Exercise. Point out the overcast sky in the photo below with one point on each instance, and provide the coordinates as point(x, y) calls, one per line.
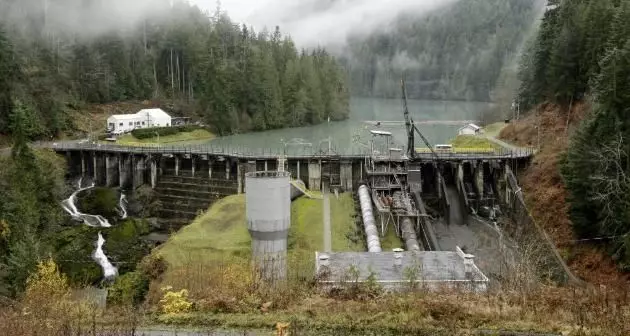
point(312, 22)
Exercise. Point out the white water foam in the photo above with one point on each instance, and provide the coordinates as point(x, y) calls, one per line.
point(69, 205)
point(122, 206)
point(109, 270)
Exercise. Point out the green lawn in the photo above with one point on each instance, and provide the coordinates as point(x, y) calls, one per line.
point(493, 130)
point(307, 225)
point(391, 241)
point(472, 142)
point(220, 234)
point(199, 134)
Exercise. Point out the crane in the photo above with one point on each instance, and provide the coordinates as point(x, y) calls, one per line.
point(412, 128)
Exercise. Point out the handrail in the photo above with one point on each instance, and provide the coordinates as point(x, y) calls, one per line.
point(242, 152)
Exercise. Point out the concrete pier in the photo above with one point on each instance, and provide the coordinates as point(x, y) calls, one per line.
point(83, 165)
point(139, 165)
point(112, 170)
point(346, 175)
point(478, 178)
point(154, 173)
point(315, 175)
point(125, 171)
point(177, 165)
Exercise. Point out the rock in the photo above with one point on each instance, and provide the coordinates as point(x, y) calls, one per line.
point(154, 223)
point(265, 306)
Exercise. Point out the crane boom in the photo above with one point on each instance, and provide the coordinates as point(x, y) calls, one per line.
point(412, 128)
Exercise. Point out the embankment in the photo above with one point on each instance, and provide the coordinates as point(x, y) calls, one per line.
point(545, 193)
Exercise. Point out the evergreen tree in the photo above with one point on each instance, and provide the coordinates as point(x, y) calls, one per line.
point(7, 76)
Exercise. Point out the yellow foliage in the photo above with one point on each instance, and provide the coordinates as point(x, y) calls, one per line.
point(5, 230)
point(47, 287)
point(281, 329)
point(175, 302)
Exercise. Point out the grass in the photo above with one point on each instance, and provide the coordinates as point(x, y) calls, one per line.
point(468, 142)
point(391, 240)
point(493, 130)
point(307, 228)
point(345, 237)
point(199, 134)
point(219, 233)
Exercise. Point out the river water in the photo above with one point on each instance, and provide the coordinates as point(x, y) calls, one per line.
point(352, 135)
point(98, 221)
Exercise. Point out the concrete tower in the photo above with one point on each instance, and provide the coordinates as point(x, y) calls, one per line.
point(268, 209)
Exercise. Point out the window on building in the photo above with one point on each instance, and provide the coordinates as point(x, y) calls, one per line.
point(130, 123)
point(143, 123)
point(121, 124)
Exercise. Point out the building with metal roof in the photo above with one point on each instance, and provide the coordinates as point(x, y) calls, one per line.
point(123, 123)
point(397, 269)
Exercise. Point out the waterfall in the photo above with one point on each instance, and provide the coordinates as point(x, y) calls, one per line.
point(70, 206)
point(122, 206)
point(109, 271)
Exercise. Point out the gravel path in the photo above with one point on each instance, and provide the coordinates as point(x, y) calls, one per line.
point(327, 229)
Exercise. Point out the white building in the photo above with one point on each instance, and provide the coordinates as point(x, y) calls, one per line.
point(123, 123)
point(470, 129)
point(396, 270)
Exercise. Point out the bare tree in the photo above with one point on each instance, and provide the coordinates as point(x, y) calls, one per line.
point(610, 179)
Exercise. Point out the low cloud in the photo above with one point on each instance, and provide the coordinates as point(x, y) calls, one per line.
point(322, 22)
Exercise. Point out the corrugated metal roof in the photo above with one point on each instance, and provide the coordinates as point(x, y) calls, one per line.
point(154, 113)
point(427, 265)
point(125, 116)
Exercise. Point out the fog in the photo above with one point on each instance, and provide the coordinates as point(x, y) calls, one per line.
point(81, 17)
point(309, 22)
point(321, 22)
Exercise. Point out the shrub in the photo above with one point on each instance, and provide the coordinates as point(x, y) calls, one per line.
point(102, 201)
point(125, 243)
point(152, 266)
point(129, 289)
point(173, 303)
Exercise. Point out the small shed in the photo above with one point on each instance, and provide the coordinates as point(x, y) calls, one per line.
point(470, 129)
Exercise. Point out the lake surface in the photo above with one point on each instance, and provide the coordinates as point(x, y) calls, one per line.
point(352, 135)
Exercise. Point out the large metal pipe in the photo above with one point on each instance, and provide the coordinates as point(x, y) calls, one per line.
point(409, 235)
point(371, 232)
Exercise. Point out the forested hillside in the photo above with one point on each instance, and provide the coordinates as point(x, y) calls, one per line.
point(456, 52)
point(58, 55)
point(583, 52)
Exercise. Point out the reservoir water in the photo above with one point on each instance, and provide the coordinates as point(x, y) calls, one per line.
point(351, 135)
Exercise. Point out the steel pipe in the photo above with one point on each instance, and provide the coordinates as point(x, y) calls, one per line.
point(409, 235)
point(369, 223)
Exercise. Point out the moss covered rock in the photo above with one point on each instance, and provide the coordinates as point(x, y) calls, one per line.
point(100, 201)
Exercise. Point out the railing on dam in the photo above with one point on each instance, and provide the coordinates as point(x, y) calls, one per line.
point(272, 153)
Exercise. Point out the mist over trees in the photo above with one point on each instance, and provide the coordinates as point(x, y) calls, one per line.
point(456, 52)
point(58, 55)
point(582, 51)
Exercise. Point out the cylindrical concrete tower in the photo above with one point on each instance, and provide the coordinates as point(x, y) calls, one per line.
point(268, 208)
